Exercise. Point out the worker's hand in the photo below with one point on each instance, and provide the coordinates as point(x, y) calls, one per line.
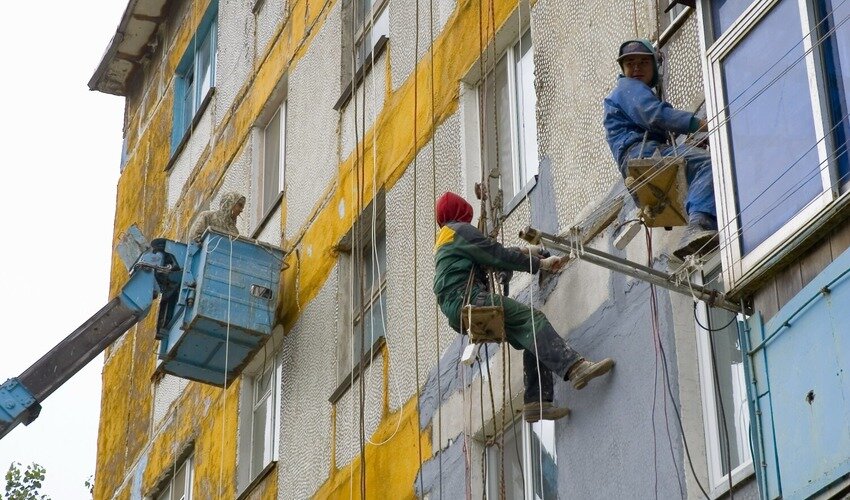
point(552, 264)
point(530, 250)
point(703, 126)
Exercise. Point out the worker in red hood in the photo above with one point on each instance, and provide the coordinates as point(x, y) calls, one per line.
point(460, 249)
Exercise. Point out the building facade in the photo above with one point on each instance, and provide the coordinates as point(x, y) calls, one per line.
point(341, 121)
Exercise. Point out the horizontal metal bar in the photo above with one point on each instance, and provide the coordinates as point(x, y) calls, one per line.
point(633, 269)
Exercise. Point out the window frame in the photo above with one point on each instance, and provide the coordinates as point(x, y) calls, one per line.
point(739, 268)
point(247, 474)
point(516, 107)
point(266, 203)
point(377, 17)
point(350, 368)
point(182, 123)
point(168, 483)
point(377, 292)
point(527, 457)
point(718, 483)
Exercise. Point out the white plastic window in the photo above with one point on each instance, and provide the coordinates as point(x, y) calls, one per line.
point(259, 423)
point(724, 393)
point(508, 102)
point(780, 112)
point(373, 20)
point(274, 159)
point(526, 448)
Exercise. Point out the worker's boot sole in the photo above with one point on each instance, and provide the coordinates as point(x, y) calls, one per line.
point(589, 370)
point(531, 412)
point(699, 243)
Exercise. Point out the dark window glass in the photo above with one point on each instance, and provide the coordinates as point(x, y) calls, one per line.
point(724, 13)
point(833, 17)
point(771, 127)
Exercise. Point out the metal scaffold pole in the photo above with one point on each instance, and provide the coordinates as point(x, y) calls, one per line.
point(572, 245)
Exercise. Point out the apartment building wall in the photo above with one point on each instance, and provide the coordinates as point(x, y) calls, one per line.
point(277, 52)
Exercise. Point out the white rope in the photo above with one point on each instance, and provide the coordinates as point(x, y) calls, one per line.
point(226, 361)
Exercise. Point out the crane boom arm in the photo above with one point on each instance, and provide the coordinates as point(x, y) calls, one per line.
point(20, 397)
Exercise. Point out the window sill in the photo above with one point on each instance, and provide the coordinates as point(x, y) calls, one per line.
point(362, 71)
point(744, 475)
point(257, 480)
point(364, 363)
point(523, 193)
point(188, 133)
point(790, 250)
point(267, 216)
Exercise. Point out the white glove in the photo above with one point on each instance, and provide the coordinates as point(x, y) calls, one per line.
point(552, 264)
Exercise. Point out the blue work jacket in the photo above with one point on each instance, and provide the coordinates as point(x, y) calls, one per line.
point(632, 108)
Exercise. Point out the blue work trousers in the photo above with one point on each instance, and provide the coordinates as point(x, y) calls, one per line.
point(698, 173)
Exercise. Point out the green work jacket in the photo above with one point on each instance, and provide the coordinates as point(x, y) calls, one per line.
point(460, 248)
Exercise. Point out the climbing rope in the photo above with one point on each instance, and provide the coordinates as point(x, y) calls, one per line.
point(226, 362)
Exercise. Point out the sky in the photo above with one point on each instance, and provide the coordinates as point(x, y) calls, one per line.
point(60, 146)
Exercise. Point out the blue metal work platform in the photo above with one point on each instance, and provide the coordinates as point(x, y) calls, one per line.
point(224, 311)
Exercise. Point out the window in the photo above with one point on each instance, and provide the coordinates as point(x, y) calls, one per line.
point(259, 422)
point(195, 76)
point(669, 13)
point(724, 393)
point(508, 105)
point(273, 157)
point(368, 321)
point(780, 154)
point(178, 486)
point(370, 22)
point(526, 447)
point(364, 321)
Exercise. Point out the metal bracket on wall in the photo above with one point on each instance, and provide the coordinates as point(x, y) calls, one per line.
point(571, 245)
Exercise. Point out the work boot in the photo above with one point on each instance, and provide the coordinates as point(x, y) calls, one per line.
point(533, 412)
point(700, 236)
point(583, 371)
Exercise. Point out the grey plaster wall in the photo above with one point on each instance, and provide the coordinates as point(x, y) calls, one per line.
point(612, 422)
point(443, 476)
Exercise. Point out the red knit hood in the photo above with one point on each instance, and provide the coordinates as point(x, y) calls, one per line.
point(453, 208)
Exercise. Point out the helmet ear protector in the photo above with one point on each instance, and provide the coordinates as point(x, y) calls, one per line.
point(642, 47)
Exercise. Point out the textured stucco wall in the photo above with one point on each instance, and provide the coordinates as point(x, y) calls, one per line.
point(308, 379)
point(403, 31)
point(312, 141)
point(401, 216)
point(575, 69)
